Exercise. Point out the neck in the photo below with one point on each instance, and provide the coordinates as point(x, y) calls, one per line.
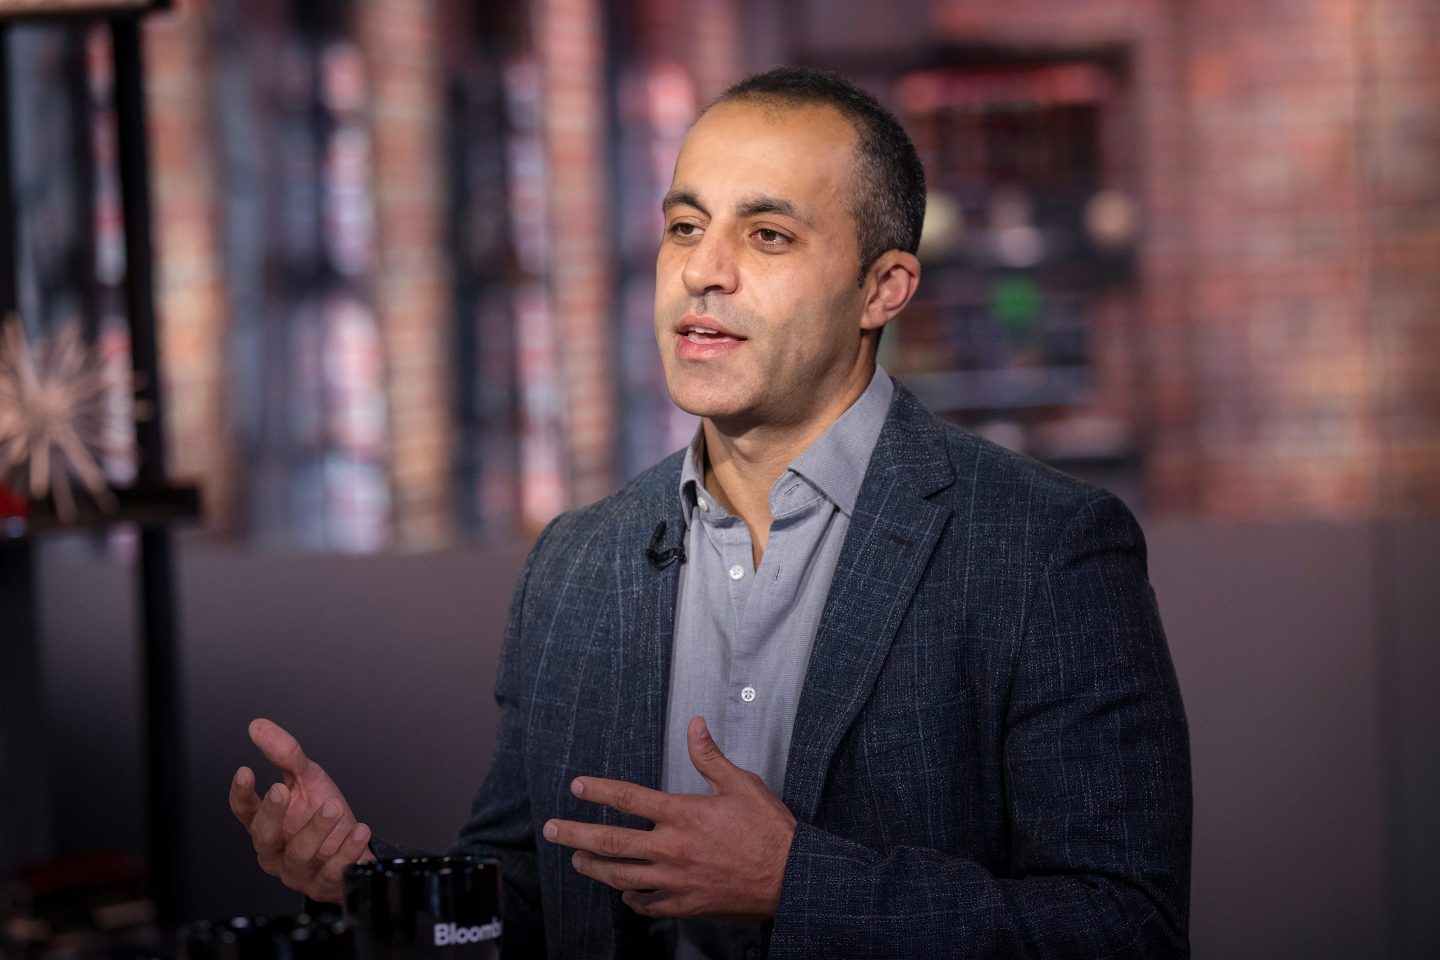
point(742, 463)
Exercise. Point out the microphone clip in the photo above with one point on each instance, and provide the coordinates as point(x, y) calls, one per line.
point(659, 558)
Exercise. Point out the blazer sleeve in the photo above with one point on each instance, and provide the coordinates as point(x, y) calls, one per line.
point(500, 823)
point(1098, 804)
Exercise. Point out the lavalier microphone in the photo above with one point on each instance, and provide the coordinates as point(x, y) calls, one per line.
point(663, 558)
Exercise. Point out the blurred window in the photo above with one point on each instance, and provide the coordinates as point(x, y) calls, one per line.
point(1025, 328)
point(299, 244)
point(509, 453)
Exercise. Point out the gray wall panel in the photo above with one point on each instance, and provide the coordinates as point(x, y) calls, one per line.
point(1315, 773)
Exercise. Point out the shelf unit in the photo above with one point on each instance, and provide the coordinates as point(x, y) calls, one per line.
point(152, 503)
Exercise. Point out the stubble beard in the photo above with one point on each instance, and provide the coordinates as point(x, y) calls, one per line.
point(710, 403)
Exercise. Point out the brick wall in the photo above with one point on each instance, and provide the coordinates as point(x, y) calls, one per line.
point(1288, 154)
point(189, 296)
point(570, 44)
point(1291, 198)
point(402, 46)
point(715, 50)
point(1287, 416)
point(1400, 124)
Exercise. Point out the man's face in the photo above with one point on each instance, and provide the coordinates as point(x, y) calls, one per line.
point(757, 311)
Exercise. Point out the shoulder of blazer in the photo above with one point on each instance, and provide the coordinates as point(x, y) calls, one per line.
point(947, 462)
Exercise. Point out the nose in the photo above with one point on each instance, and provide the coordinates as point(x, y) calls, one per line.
point(711, 265)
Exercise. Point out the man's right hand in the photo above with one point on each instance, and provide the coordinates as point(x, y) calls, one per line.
point(303, 831)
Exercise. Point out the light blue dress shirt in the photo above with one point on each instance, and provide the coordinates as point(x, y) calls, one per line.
point(743, 634)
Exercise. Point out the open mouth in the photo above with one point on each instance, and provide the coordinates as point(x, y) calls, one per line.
point(700, 333)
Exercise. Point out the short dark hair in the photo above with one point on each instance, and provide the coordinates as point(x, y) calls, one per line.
point(889, 201)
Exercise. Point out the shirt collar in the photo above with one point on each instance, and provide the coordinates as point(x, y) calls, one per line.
point(692, 473)
point(834, 464)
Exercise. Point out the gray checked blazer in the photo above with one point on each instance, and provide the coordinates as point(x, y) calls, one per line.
point(990, 756)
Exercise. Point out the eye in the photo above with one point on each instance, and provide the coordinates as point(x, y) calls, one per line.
point(771, 237)
point(683, 229)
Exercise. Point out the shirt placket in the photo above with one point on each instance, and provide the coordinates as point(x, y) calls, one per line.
point(741, 728)
point(752, 693)
point(731, 541)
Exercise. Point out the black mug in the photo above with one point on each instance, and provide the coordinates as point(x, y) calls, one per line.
point(425, 907)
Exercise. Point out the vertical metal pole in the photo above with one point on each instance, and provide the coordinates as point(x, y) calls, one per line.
point(25, 827)
point(9, 291)
point(164, 740)
point(83, 271)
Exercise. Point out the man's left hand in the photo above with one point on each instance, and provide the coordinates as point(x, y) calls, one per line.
point(720, 856)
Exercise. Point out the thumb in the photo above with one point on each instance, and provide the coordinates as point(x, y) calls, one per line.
point(705, 753)
point(279, 747)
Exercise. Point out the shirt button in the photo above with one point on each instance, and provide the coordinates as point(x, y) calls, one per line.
point(748, 694)
point(737, 572)
point(704, 504)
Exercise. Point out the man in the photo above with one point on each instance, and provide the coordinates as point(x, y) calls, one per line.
point(839, 680)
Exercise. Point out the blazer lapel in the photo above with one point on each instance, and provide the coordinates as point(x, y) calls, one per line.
point(644, 633)
point(892, 533)
point(644, 630)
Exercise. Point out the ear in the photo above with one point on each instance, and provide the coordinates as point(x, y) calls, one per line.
point(888, 286)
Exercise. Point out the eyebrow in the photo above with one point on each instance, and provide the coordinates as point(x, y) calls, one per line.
point(682, 198)
point(751, 206)
point(769, 203)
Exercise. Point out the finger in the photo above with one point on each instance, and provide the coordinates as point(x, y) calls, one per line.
point(705, 753)
point(267, 828)
point(613, 842)
point(279, 747)
point(649, 903)
point(337, 836)
point(302, 852)
point(244, 801)
point(355, 847)
point(620, 874)
point(625, 797)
